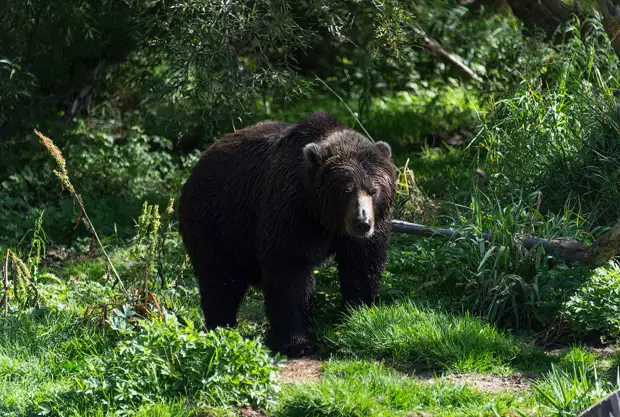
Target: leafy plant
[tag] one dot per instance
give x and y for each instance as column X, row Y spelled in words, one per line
column 162, row 359
column 594, row 308
column 566, row 392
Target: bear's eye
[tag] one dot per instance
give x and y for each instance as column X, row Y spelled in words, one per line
column 373, row 192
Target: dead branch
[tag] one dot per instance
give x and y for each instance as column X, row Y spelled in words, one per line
column 437, row 50
column 63, row 176
column 605, row 247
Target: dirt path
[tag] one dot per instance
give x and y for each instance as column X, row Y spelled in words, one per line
column 302, row 370
column 494, row 384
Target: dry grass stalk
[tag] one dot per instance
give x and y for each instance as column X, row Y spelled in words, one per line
column 63, row 175
column 411, row 200
column 22, row 279
column 22, row 282
column 5, row 297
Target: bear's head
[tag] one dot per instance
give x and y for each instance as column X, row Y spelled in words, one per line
column 353, row 181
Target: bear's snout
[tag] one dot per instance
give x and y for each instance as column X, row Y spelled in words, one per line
column 360, row 219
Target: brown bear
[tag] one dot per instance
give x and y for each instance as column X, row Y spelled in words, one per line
column 268, row 203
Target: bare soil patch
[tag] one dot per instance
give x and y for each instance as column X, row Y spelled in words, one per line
column 492, row 383
column 301, row 370
column 489, row 383
column 248, row 411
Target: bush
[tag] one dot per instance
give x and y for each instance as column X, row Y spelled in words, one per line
column 164, row 360
column 595, row 307
column 114, row 168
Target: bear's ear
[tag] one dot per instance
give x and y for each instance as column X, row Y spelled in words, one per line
column 315, row 153
column 384, row 148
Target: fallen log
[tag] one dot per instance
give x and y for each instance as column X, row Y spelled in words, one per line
column 608, row 406
column 605, row 247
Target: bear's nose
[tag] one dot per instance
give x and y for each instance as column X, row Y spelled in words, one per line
column 363, row 224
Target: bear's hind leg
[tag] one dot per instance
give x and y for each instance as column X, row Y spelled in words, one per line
column 222, row 288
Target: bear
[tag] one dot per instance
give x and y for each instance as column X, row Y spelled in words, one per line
column 266, row 204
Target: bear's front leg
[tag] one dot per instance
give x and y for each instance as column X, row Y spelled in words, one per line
column 361, row 263
column 288, row 289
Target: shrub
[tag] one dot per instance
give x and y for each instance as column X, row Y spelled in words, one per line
column 113, row 172
column 595, row 307
column 163, row 360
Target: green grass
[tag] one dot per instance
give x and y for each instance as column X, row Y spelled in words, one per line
column 354, row 388
column 360, row 387
column 411, row 336
column 57, row 359
column 566, row 392
column 375, row 352
column 39, row 352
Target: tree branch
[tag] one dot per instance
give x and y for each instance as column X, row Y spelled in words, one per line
column 605, row 247
column 437, row 50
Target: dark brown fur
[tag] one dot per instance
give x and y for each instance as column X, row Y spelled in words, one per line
column 262, row 208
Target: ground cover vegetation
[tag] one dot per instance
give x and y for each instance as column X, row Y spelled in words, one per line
column 495, row 125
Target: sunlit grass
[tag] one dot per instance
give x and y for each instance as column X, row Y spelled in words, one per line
column 359, row 388
column 412, row 336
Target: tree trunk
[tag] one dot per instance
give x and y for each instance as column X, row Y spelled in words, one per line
column 611, row 20
column 544, row 14
column 491, row 6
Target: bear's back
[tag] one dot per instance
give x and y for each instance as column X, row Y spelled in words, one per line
column 243, row 181
column 220, row 203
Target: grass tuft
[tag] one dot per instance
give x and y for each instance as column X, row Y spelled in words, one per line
column 411, row 336
column 568, row 391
